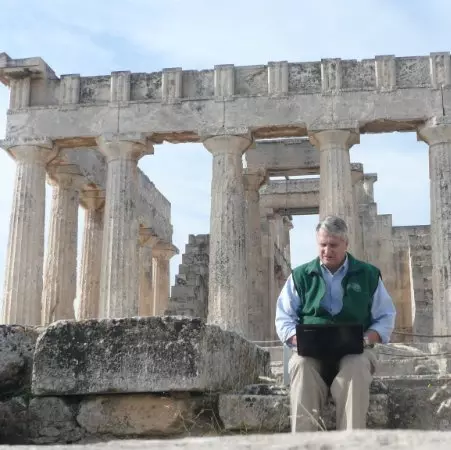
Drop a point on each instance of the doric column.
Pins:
(25, 254)
(252, 183)
(267, 263)
(119, 282)
(146, 288)
(438, 136)
(368, 187)
(161, 256)
(60, 272)
(357, 191)
(227, 297)
(287, 226)
(336, 196)
(91, 256)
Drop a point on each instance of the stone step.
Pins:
(405, 403)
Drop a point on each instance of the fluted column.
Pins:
(119, 284)
(60, 272)
(336, 196)
(25, 254)
(227, 297)
(357, 192)
(161, 257)
(252, 183)
(91, 256)
(438, 136)
(146, 288)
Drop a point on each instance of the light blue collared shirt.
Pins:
(383, 311)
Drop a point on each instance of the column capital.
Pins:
(323, 139)
(93, 199)
(38, 150)
(131, 146)
(66, 176)
(435, 131)
(164, 250)
(147, 236)
(254, 180)
(227, 143)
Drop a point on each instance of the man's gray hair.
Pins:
(334, 226)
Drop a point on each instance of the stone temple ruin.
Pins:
(124, 362)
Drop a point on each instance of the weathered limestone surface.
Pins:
(438, 136)
(60, 274)
(25, 255)
(412, 403)
(119, 288)
(193, 102)
(145, 415)
(267, 409)
(252, 183)
(161, 256)
(91, 257)
(335, 186)
(189, 295)
(52, 419)
(370, 440)
(150, 354)
(227, 296)
(16, 357)
(146, 289)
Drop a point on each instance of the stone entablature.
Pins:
(277, 100)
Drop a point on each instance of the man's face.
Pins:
(332, 249)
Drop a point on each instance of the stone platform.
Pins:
(369, 440)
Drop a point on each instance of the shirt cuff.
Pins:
(380, 331)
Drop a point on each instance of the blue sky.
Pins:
(97, 37)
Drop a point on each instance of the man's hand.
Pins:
(293, 341)
(373, 337)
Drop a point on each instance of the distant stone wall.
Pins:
(189, 295)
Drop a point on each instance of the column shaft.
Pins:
(91, 263)
(119, 283)
(336, 194)
(161, 282)
(146, 292)
(439, 139)
(252, 183)
(60, 276)
(228, 304)
(25, 255)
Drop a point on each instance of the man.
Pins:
(334, 288)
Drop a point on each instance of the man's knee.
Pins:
(358, 364)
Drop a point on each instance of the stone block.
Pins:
(264, 408)
(144, 354)
(51, 420)
(14, 421)
(17, 345)
(146, 415)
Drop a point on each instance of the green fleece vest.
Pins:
(359, 284)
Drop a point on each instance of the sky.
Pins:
(98, 37)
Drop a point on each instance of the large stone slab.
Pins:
(17, 345)
(144, 354)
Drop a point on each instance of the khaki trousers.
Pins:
(350, 390)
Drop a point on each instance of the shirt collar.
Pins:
(342, 269)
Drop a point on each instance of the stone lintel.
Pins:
(144, 354)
